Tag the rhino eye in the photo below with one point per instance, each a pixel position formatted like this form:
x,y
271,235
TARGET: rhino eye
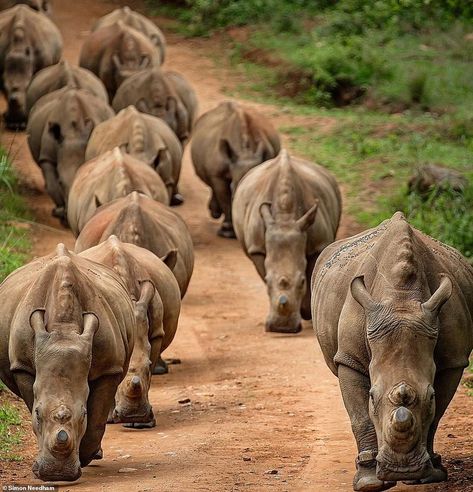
x,y
37,415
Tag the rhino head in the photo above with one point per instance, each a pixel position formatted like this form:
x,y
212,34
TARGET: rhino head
x,y
131,400
129,59
402,337
241,158
285,266
18,72
69,132
60,392
162,104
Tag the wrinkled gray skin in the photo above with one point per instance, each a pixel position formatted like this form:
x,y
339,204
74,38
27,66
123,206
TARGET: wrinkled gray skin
x,y
29,41
145,137
285,212
64,353
166,95
156,298
227,142
392,309
57,76
116,52
112,175
43,6
58,130
138,219
137,21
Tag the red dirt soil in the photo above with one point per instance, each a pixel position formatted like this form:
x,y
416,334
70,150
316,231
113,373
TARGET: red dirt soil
x,y
265,413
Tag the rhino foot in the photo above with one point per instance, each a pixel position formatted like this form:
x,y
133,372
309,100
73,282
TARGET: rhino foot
x,y
227,231
439,473
98,455
58,212
140,425
160,368
214,207
365,479
177,199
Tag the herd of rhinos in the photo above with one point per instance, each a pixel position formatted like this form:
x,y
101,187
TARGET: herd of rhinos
x,y
392,307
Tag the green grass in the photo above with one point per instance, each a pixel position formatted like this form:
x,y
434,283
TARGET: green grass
x,y
14,246
14,241
10,434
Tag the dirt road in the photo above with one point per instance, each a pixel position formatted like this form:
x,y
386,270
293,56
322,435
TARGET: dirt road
x,y
265,413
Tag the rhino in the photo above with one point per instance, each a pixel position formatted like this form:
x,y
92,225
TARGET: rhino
x,y
110,176
156,297
166,95
66,337
58,130
139,220
29,41
227,142
392,309
145,137
62,74
117,51
285,212
43,6
137,21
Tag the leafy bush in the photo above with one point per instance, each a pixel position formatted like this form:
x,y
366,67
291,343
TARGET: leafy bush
x,y
446,216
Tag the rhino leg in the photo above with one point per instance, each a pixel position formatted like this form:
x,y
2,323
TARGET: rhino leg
x,y
101,399
214,207
223,194
160,367
53,188
445,386
355,389
306,308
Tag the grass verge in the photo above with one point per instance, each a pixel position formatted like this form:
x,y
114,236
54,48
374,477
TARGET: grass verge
x,y
14,246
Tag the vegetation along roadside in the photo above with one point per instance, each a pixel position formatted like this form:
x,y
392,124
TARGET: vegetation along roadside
x,y
14,247
392,83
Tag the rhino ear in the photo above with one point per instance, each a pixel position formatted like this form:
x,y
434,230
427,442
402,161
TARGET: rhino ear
x,y
91,324
265,212
227,150
170,259
308,218
439,297
37,321
361,295
55,131
145,61
142,106
97,202
171,104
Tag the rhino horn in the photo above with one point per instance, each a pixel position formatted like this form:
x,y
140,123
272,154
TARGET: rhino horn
x,y
361,294
308,218
439,297
402,419
135,385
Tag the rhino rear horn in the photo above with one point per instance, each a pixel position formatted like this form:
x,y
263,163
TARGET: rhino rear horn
x,y
170,259
361,295
439,297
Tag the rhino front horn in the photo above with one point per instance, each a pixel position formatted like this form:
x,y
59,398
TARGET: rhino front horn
x,y
402,419
135,384
62,437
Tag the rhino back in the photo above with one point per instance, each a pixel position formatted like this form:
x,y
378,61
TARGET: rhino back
x,y
339,320
260,185
99,291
